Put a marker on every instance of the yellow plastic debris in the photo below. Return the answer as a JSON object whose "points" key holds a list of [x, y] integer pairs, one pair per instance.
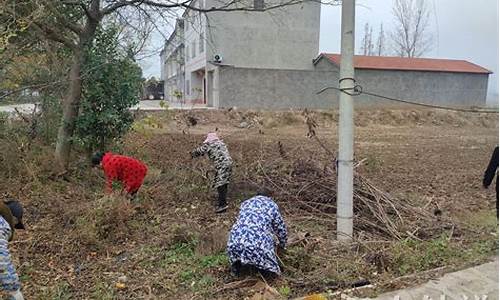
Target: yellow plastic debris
{"points": [[315, 297], [120, 285]]}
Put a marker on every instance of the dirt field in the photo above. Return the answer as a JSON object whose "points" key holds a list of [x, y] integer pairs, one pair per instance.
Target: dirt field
{"points": [[81, 244]]}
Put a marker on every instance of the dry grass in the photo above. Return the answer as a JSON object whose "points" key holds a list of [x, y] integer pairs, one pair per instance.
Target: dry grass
{"points": [[171, 246]]}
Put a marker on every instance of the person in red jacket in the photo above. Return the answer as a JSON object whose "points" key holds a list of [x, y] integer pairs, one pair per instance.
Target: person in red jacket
{"points": [[127, 170]]}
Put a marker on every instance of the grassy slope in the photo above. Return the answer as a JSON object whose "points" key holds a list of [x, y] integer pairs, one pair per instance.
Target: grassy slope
{"points": [[80, 243]]}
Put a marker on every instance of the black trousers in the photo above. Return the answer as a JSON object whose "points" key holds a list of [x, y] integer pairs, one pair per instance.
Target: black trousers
{"points": [[239, 269], [496, 189], [221, 199]]}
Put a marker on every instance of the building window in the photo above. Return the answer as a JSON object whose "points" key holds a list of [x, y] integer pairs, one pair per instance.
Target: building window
{"points": [[188, 88], [258, 4], [193, 50], [202, 43], [187, 53]]}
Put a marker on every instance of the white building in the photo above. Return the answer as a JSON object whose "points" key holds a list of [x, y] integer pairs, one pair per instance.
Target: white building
{"points": [[269, 59], [172, 64], [285, 38]]}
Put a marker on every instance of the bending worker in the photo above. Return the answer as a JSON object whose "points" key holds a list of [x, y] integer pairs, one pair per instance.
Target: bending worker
{"points": [[127, 170], [11, 215], [251, 245], [217, 152]]}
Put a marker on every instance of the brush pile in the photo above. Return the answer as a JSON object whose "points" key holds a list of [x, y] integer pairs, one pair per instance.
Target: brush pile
{"points": [[306, 183]]}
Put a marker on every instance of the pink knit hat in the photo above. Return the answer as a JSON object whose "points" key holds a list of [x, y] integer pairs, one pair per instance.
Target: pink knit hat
{"points": [[211, 136]]}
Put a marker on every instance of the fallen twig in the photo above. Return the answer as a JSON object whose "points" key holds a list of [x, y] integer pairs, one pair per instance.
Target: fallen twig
{"points": [[305, 184], [237, 284]]}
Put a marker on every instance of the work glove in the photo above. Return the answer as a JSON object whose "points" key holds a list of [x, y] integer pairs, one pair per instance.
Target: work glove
{"points": [[485, 183], [281, 250], [17, 295]]}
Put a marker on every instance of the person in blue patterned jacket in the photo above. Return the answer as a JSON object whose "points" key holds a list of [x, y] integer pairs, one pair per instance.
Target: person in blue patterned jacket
{"points": [[251, 245], [11, 214]]}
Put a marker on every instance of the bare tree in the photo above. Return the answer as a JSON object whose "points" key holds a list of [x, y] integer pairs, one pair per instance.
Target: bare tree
{"points": [[73, 23], [381, 41], [370, 42], [367, 42], [410, 35]]}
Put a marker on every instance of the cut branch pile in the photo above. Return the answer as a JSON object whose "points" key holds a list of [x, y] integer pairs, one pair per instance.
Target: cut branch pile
{"points": [[306, 182], [310, 185]]}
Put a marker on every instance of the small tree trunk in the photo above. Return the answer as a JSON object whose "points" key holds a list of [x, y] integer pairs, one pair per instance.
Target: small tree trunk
{"points": [[70, 112], [102, 143]]}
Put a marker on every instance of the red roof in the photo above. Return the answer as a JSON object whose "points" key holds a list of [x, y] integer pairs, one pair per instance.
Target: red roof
{"points": [[409, 64]]}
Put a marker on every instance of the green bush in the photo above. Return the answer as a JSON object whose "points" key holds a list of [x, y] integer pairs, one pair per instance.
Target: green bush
{"points": [[50, 119], [111, 85]]}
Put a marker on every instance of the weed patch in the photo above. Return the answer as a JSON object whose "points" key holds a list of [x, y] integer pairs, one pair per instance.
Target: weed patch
{"points": [[61, 291], [410, 256], [103, 292]]}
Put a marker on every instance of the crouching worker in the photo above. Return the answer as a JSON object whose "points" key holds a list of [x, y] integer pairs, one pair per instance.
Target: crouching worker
{"points": [[11, 214], [251, 245], [219, 155], [127, 170]]}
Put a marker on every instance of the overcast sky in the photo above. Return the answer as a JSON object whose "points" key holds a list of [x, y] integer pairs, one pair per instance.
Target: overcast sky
{"points": [[461, 30]]}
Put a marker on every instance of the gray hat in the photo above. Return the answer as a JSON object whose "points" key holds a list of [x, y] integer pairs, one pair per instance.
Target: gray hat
{"points": [[97, 158], [17, 211]]}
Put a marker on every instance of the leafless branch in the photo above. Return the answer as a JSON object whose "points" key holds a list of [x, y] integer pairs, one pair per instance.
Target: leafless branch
{"points": [[54, 35], [227, 7], [410, 35]]}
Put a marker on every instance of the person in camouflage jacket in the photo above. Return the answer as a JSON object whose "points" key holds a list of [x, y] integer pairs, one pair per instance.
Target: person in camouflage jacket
{"points": [[219, 155]]}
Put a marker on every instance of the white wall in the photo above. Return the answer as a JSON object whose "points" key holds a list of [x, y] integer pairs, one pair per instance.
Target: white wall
{"points": [[282, 38], [172, 60], [162, 65], [194, 26]]}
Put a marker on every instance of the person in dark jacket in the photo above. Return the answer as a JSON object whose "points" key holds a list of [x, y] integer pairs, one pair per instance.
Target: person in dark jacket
{"points": [[491, 171]]}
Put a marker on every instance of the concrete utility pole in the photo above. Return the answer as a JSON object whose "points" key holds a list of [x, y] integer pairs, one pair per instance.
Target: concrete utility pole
{"points": [[346, 125]]}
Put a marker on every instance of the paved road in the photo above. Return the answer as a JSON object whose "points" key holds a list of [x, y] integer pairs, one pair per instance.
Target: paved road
{"points": [[155, 105], [24, 108], [476, 283]]}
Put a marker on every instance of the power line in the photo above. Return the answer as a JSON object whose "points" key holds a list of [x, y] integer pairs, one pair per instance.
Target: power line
{"points": [[432, 105], [358, 90]]}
